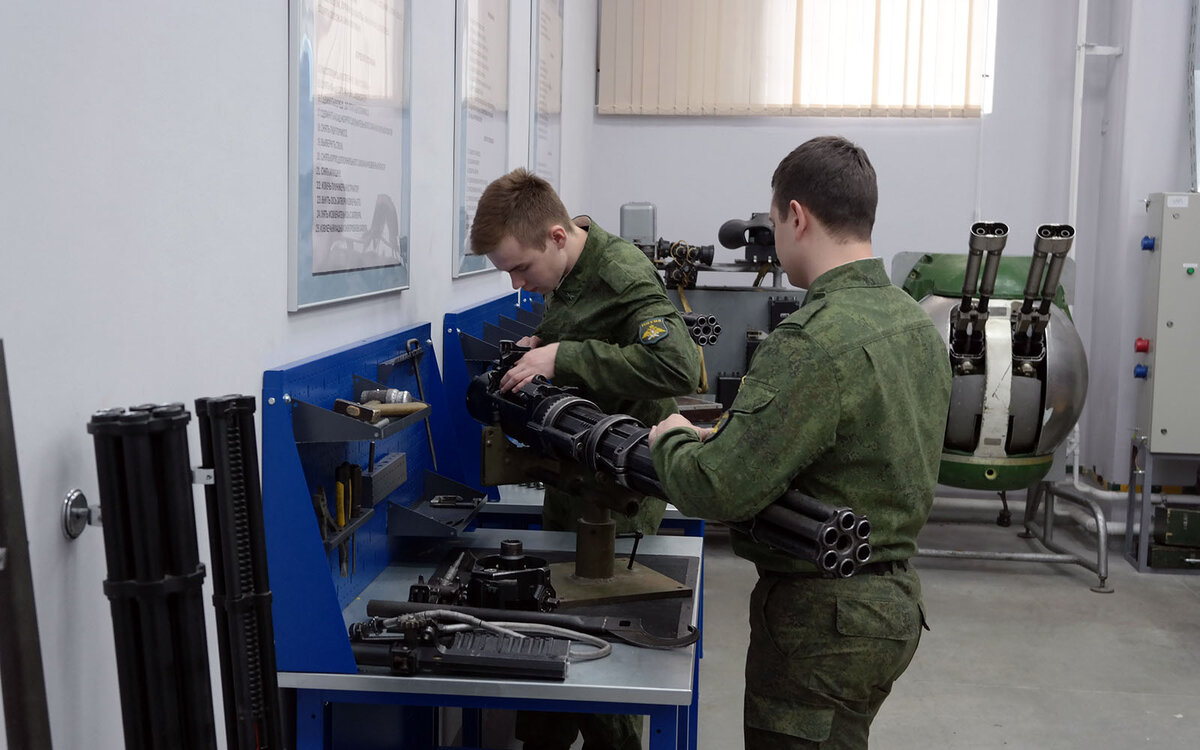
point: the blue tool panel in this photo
(304, 443)
(510, 316)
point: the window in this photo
(856, 58)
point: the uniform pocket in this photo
(877, 618)
(752, 396)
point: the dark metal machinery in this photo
(561, 425)
(26, 718)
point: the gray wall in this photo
(144, 203)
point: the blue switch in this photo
(1141, 371)
(1147, 243)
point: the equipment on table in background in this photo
(1019, 369)
(557, 423)
(154, 576)
(241, 592)
(755, 234)
(704, 329)
(509, 580)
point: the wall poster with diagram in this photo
(349, 134)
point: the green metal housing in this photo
(942, 274)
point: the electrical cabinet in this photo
(1168, 343)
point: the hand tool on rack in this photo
(413, 348)
(355, 509)
(373, 412)
(328, 526)
(341, 481)
(385, 396)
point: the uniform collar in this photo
(586, 266)
(867, 272)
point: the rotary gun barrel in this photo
(558, 423)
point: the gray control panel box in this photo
(1168, 390)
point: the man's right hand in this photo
(532, 342)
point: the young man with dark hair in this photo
(610, 329)
(845, 401)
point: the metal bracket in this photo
(3, 556)
(203, 475)
(77, 515)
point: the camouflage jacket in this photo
(619, 336)
(846, 401)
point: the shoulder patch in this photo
(652, 330)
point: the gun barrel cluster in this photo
(559, 424)
(834, 539)
(704, 329)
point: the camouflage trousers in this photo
(823, 656)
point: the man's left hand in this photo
(539, 361)
(675, 420)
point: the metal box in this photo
(1164, 556)
(1178, 527)
(1168, 350)
(638, 223)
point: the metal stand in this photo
(1139, 515)
(1044, 533)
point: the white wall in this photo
(144, 206)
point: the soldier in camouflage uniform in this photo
(610, 329)
(845, 401)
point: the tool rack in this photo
(407, 463)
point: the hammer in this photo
(372, 411)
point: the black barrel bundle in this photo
(704, 329)
(562, 425)
(154, 576)
(241, 594)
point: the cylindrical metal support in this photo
(595, 543)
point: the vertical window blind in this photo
(846, 58)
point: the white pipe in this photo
(1077, 112)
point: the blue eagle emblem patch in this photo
(652, 330)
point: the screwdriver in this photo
(341, 475)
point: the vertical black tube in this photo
(135, 702)
(241, 590)
(186, 608)
(143, 515)
(26, 717)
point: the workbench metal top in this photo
(628, 675)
